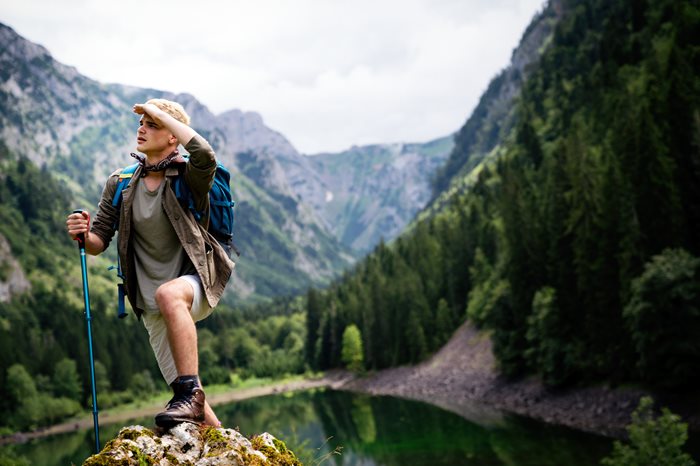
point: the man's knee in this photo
(173, 296)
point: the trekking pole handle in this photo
(80, 238)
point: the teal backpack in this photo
(221, 203)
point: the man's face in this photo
(151, 138)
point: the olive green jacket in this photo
(212, 263)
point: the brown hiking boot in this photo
(186, 405)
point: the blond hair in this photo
(173, 109)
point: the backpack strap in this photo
(124, 178)
(184, 195)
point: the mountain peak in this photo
(249, 116)
(12, 41)
(16, 46)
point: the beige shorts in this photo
(158, 334)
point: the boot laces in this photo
(181, 400)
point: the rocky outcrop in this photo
(192, 445)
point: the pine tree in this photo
(313, 318)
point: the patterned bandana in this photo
(159, 166)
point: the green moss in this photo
(257, 442)
(107, 456)
(278, 456)
(280, 445)
(105, 460)
(133, 434)
(216, 440)
(249, 459)
(111, 445)
(171, 459)
(213, 435)
(143, 459)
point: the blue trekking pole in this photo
(88, 317)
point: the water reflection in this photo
(62, 449)
(390, 431)
(371, 431)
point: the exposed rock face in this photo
(47, 105)
(13, 281)
(189, 444)
(373, 192)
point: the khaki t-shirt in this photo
(159, 256)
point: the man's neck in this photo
(156, 175)
(154, 158)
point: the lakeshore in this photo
(115, 416)
(462, 378)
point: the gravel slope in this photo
(463, 378)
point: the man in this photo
(175, 271)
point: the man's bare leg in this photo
(174, 300)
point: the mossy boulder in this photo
(191, 445)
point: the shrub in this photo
(66, 380)
(142, 384)
(663, 316)
(658, 441)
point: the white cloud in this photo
(326, 73)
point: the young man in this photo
(175, 271)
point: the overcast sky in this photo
(328, 74)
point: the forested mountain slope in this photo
(577, 246)
(42, 326)
(494, 116)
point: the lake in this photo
(369, 431)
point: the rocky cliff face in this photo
(46, 105)
(360, 195)
(372, 192)
(13, 281)
(494, 115)
(188, 444)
